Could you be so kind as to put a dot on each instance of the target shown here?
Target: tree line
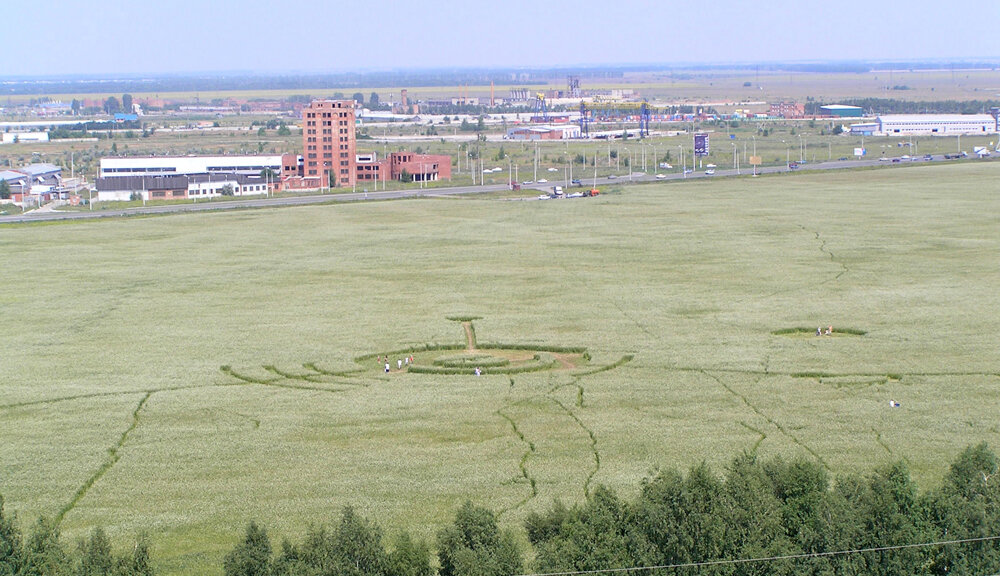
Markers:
(41, 552)
(789, 513)
(756, 518)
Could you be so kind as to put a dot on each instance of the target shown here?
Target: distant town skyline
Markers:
(188, 36)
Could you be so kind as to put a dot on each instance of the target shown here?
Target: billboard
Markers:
(701, 144)
(859, 152)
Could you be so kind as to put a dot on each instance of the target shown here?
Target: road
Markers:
(50, 215)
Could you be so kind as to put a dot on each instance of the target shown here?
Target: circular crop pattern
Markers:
(470, 361)
(474, 357)
(800, 331)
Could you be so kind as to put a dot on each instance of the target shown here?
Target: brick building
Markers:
(787, 110)
(329, 144)
(418, 167)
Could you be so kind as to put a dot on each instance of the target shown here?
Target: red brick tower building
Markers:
(328, 143)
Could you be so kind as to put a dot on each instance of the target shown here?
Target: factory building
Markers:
(182, 165)
(842, 111)
(181, 177)
(936, 124)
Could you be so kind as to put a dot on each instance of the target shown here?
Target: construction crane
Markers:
(541, 108)
(591, 111)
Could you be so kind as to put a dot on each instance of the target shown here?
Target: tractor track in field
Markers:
(825, 250)
(785, 432)
(114, 455)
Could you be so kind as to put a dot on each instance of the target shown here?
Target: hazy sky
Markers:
(168, 36)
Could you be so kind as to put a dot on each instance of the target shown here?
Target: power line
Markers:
(767, 558)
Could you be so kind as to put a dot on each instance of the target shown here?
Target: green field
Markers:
(115, 408)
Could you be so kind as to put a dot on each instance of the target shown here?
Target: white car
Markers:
(661, 176)
(544, 197)
(542, 180)
(553, 169)
(575, 195)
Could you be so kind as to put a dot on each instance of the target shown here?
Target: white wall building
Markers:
(936, 124)
(178, 165)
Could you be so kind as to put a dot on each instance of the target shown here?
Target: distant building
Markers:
(328, 144)
(330, 147)
(180, 187)
(189, 165)
(35, 182)
(181, 177)
(544, 132)
(787, 110)
(939, 124)
(400, 165)
(404, 106)
(22, 137)
(842, 111)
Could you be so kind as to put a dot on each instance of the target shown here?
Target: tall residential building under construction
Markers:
(328, 143)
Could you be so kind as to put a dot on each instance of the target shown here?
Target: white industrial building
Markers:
(936, 124)
(180, 165)
(181, 187)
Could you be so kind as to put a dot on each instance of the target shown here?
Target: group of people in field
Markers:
(821, 332)
(399, 362)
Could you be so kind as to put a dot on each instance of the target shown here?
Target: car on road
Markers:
(688, 170)
(928, 157)
(553, 169)
(544, 197)
(542, 180)
(842, 159)
(793, 165)
(527, 183)
(576, 183)
(661, 176)
(612, 176)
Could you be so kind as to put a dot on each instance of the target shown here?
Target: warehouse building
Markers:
(181, 187)
(936, 124)
(180, 165)
(842, 111)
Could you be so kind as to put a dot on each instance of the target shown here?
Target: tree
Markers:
(373, 100)
(138, 564)
(405, 176)
(474, 546)
(410, 558)
(75, 107)
(262, 131)
(95, 555)
(111, 105)
(252, 556)
(4, 195)
(359, 98)
(127, 105)
(283, 130)
(10, 542)
(43, 554)
(227, 190)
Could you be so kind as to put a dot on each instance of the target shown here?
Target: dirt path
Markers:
(566, 364)
(470, 338)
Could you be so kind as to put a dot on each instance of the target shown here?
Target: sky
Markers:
(71, 37)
